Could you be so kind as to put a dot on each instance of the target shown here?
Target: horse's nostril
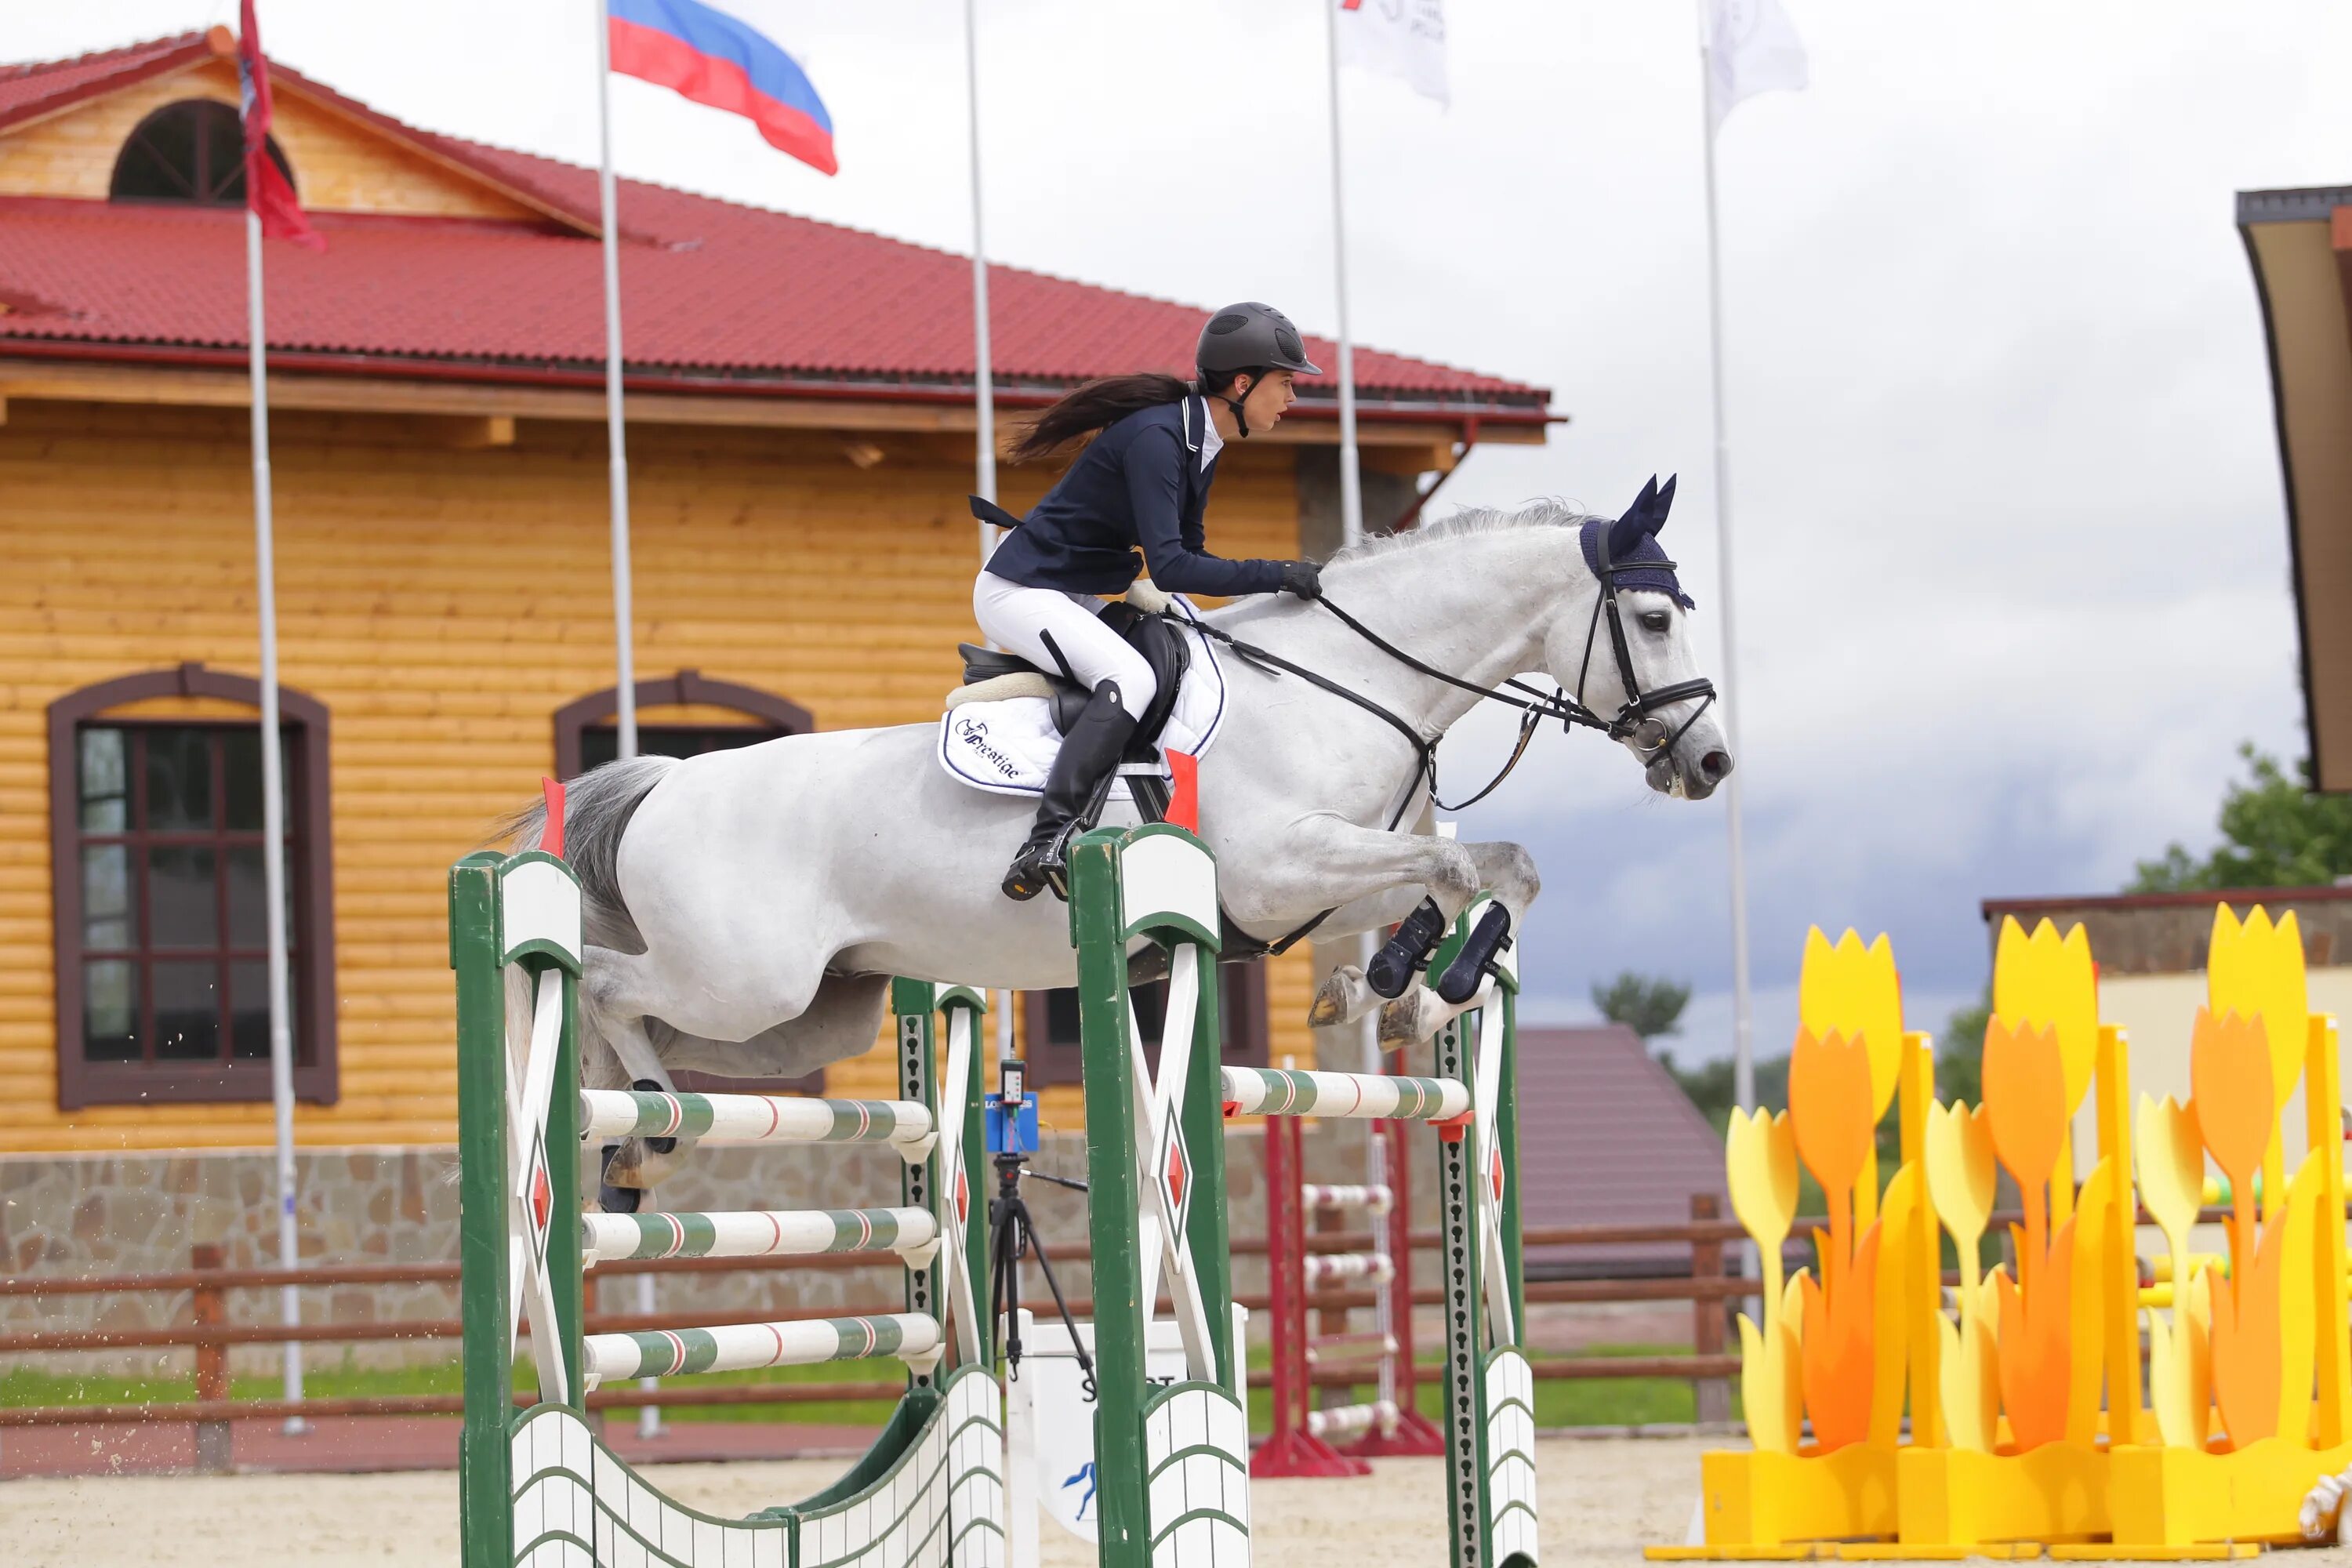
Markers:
(1715, 765)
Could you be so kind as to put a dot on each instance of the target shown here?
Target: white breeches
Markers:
(1036, 622)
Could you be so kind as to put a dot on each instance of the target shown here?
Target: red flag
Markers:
(265, 190)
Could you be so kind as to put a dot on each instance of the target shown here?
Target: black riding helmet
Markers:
(1248, 339)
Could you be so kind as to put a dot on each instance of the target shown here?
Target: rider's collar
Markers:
(1645, 565)
(1211, 443)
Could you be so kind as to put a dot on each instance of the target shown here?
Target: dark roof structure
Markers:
(2299, 243)
(1607, 1137)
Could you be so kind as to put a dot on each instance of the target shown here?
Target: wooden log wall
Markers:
(442, 602)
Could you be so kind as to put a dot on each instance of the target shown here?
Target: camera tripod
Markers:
(1013, 1236)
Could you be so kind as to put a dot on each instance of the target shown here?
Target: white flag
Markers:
(1402, 39)
(1750, 48)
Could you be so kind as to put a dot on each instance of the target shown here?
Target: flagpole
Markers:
(273, 817)
(983, 477)
(984, 372)
(1351, 493)
(625, 657)
(1743, 1059)
(1359, 948)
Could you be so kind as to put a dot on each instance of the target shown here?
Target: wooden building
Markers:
(801, 442)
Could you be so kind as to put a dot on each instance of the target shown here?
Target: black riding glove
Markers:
(1303, 578)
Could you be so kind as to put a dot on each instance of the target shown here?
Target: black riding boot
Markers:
(1082, 767)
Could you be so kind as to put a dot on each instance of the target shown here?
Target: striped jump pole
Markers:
(746, 1347)
(608, 1113)
(778, 1233)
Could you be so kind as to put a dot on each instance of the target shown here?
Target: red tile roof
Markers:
(27, 91)
(1607, 1138)
(710, 289)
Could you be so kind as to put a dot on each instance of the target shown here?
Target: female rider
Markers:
(1142, 483)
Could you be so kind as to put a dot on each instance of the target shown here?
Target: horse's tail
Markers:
(597, 807)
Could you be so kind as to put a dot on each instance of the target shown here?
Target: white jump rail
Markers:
(912, 1337)
(904, 1124)
(1351, 1096)
(759, 1233)
(1376, 1199)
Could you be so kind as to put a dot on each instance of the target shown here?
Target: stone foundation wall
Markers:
(71, 1216)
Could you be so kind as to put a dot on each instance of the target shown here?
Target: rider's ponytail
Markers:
(1092, 406)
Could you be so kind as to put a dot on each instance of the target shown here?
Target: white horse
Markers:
(747, 908)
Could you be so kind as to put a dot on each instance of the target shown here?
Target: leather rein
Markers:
(1634, 719)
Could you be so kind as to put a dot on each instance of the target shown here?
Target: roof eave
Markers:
(1375, 405)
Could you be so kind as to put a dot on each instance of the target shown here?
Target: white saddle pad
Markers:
(1007, 747)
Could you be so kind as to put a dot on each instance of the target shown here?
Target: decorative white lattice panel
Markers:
(576, 1506)
(1196, 1462)
(943, 1504)
(1511, 1454)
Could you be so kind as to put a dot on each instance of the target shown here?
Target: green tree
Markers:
(2275, 833)
(1645, 1003)
(1960, 1054)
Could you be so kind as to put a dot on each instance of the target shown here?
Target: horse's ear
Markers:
(1628, 532)
(1664, 505)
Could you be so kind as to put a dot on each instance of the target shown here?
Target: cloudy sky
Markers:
(2011, 538)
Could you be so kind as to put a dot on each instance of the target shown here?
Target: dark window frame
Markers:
(1242, 987)
(688, 688)
(82, 1082)
(205, 187)
(691, 688)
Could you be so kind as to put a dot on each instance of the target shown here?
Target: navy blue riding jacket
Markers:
(1138, 485)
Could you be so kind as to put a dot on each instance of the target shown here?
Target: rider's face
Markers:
(1265, 404)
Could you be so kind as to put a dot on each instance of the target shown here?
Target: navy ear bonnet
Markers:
(1633, 548)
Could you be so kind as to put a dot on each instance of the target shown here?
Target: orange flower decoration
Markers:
(1838, 1366)
(2233, 1091)
(2246, 1370)
(1830, 1102)
(2025, 1096)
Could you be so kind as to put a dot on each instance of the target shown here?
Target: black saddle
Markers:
(1153, 636)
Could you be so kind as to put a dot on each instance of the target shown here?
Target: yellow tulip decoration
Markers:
(1853, 989)
(2255, 969)
(1831, 1108)
(1961, 1184)
(2171, 1183)
(1760, 1167)
(2050, 982)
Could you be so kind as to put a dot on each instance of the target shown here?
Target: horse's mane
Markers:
(1463, 522)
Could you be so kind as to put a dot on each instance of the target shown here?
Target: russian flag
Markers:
(713, 58)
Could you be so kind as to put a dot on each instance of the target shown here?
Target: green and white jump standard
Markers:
(1172, 1460)
(536, 1486)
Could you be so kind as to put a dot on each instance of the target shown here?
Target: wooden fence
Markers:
(210, 1329)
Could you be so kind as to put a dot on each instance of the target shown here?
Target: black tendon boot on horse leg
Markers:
(1391, 969)
(1476, 960)
(1081, 772)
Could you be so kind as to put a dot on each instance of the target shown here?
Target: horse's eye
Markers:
(1655, 620)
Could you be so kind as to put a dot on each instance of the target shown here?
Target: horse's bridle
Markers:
(1636, 720)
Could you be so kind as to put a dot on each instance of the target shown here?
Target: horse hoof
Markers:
(619, 1200)
(1469, 971)
(1331, 1005)
(1401, 1021)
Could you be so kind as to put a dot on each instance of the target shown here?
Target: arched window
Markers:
(685, 715)
(192, 151)
(155, 815)
(703, 715)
